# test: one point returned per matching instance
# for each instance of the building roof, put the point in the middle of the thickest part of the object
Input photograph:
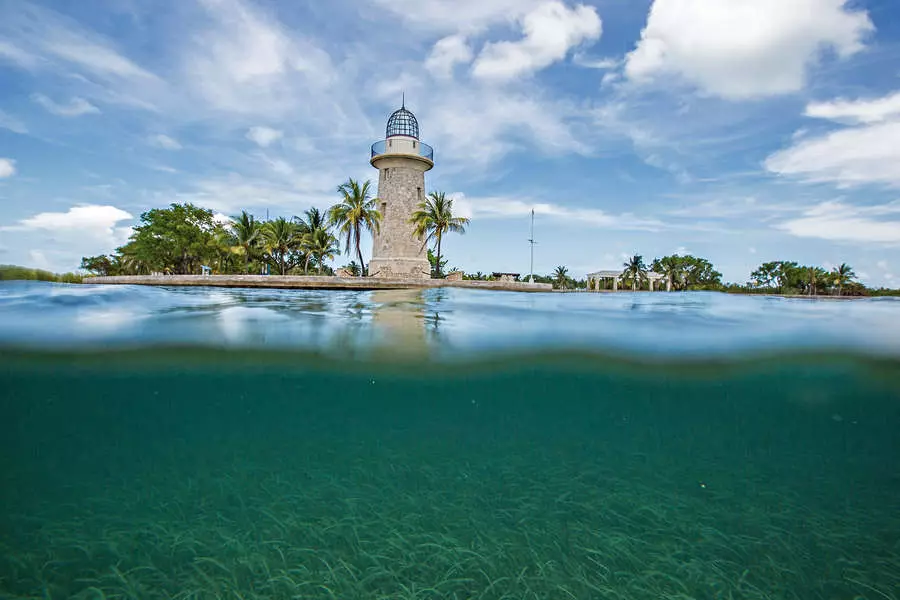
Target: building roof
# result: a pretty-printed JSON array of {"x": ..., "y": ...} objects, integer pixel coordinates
[{"x": 402, "y": 122}]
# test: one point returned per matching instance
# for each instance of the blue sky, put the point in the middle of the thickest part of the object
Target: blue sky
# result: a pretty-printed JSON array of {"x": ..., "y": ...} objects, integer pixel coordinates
[{"x": 739, "y": 130}]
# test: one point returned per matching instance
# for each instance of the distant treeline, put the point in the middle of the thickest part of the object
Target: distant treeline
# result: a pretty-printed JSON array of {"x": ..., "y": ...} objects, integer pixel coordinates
[{"x": 15, "y": 273}]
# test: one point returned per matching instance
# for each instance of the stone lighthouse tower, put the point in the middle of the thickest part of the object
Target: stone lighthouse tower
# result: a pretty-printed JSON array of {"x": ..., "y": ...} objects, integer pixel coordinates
[{"x": 401, "y": 160}]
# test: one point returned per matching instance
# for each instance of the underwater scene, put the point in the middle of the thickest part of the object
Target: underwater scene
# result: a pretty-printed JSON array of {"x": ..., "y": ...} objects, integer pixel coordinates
[{"x": 200, "y": 443}]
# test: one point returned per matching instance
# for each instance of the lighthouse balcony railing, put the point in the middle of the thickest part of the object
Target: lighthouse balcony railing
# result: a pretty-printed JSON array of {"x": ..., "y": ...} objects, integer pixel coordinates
[{"x": 416, "y": 148}]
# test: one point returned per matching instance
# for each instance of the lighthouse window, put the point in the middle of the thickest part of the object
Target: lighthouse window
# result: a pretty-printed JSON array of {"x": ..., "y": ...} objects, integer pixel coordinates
[
  {"x": 384, "y": 210},
  {"x": 414, "y": 145}
]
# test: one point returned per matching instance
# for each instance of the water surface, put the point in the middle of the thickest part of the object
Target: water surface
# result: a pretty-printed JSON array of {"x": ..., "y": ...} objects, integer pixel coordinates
[{"x": 209, "y": 443}]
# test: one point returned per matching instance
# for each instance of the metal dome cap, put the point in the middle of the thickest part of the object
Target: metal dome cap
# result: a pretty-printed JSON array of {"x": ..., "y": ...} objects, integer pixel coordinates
[{"x": 402, "y": 122}]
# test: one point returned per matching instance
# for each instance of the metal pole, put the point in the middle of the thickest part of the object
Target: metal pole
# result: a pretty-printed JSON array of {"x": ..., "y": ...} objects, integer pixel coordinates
[{"x": 531, "y": 241}]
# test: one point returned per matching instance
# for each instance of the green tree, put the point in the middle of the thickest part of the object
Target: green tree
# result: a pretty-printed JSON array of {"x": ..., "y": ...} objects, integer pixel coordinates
[
  {"x": 561, "y": 276},
  {"x": 353, "y": 268},
  {"x": 433, "y": 219},
  {"x": 672, "y": 268},
  {"x": 98, "y": 265},
  {"x": 280, "y": 240},
  {"x": 436, "y": 268},
  {"x": 815, "y": 276},
  {"x": 246, "y": 233},
  {"x": 174, "y": 239},
  {"x": 842, "y": 276},
  {"x": 635, "y": 271},
  {"x": 320, "y": 245},
  {"x": 353, "y": 214}
]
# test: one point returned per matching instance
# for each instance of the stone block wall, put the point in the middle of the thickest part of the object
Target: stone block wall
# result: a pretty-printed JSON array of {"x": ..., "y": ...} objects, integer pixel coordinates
[{"x": 401, "y": 187}]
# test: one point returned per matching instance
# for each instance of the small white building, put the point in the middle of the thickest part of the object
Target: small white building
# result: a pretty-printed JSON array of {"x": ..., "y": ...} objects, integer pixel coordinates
[{"x": 594, "y": 280}]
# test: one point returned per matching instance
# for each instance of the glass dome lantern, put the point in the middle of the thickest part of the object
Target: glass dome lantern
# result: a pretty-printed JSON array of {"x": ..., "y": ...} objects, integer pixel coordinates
[{"x": 402, "y": 122}]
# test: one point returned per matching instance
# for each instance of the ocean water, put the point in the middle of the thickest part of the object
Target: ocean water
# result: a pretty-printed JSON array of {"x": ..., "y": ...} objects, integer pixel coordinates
[{"x": 242, "y": 444}]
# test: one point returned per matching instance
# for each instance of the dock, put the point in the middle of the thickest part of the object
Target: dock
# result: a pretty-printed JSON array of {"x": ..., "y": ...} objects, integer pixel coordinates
[{"x": 312, "y": 282}]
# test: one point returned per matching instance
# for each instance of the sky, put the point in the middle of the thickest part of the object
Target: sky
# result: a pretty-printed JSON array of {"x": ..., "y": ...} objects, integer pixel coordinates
[{"x": 743, "y": 131}]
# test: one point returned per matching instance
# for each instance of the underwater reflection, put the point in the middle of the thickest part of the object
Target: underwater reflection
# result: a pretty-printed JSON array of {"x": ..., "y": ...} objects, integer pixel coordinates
[{"x": 398, "y": 320}]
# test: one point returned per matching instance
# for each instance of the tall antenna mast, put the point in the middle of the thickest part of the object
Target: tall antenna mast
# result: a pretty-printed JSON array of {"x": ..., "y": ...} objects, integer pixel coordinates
[{"x": 532, "y": 242}]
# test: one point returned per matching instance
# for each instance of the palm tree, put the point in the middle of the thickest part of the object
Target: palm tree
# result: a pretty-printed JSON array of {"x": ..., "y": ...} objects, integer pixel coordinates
[
  {"x": 433, "y": 219},
  {"x": 280, "y": 239},
  {"x": 355, "y": 212},
  {"x": 561, "y": 274},
  {"x": 816, "y": 276},
  {"x": 672, "y": 268},
  {"x": 246, "y": 231},
  {"x": 635, "y": 270},
  {"x": 842, "y": 275},
  {"x": 320, "y": 244}
]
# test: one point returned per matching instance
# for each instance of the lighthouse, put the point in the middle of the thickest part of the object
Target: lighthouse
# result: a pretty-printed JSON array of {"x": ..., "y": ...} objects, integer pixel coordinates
[{"x": 402, "y": 160}]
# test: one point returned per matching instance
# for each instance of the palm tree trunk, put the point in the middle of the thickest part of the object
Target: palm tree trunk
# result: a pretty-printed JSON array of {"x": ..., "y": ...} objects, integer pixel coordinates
[
  {"x": 362, "y": 267},
  {"x": 306, "y": 264},
  {"x": 438, "y": 269}
]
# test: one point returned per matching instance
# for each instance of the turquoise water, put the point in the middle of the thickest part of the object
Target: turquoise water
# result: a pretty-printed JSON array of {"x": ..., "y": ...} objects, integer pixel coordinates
[{"x": 209, "y": 443}]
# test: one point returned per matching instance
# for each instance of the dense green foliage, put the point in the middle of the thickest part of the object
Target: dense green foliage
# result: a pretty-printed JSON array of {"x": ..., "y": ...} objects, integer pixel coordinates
[
  {"x": 788, "y": 277},
  {"x": 15, "y": 273},
  {"x": 183, "y": 238}
]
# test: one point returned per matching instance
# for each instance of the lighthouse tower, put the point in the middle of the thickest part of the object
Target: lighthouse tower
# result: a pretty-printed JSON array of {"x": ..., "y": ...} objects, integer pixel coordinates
[{"x": 401, "y": 160}]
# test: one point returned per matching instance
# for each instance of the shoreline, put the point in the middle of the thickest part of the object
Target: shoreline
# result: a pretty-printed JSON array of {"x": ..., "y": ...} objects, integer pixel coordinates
[{"x": 313, "y": 282}]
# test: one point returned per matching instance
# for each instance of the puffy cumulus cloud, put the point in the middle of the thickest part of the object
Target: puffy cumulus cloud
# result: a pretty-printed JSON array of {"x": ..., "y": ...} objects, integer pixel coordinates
[
  {"x": 867, "y": 153},
  {"x": 744, "y": 48},
  {"x": 549, "y": 32},
  {"x": 7, "y": 167},
  {"x": 99, "y": 222},
  {"x": 264, "y": 136},
  {"x": 73, "y": 108},
  {"x": 842, "y": 222},
  {"x": 857, "y": 111},
  {"x": 165, "y": 142},
  {"x": 446, "y": 54}
]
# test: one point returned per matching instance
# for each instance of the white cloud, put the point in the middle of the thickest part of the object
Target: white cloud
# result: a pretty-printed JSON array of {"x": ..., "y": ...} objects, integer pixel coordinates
[
  {"x": 11, "y": 123},
  {"x": 245, "y": 62},
  {"x": 92, "y": 221},
  {"x": 76, "y": 107},
  {"x": 264, "y": 136},
  {"x": 602, "y": 64},
  {"x": 550, "y": 31},
  {"x": 838, "y": 221},
  {"x": 744, "y": 48},
  {"x": 857, "y": 111},
  {"x": 446, "y": 54},
  {"x": 854, "y": 156},
  {"x": 50, "y": 35},
  {"x": 17, "y": 56},
  {"x": 498, "y": 207},
  {"x": 165, "y": 142},
  {"x": 480, "y": 126},
  {"x": 7, "y": 167},
  {"x": 469, "y": 16}
]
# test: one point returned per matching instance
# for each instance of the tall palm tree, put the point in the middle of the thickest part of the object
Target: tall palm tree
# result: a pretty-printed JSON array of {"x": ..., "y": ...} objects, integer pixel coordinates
[
  {"x": 816, "y": 275},
  {"x": 320, "y": 245},
  {"x": 842, "y": 275},
  {"x": 280, "y": 239},
  {"x": 246, "y": 231},
  {"x": 433, "y": 219},
  {"x": 635, "y": 270},
  {"x": 561, "y": 274},
  {"x": 355, "y": 212}
]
